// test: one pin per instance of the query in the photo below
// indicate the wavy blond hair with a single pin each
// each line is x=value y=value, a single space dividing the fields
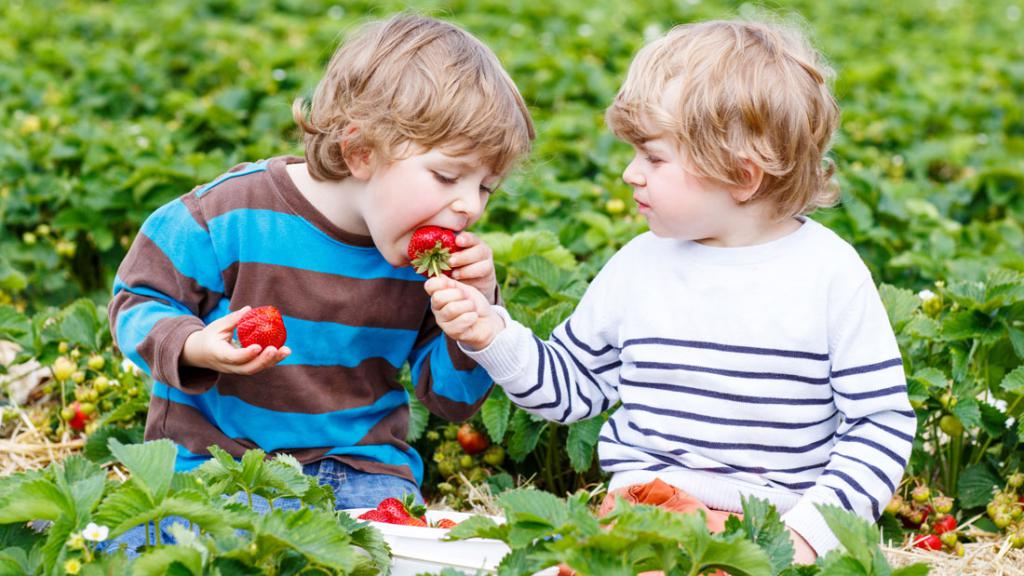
x=413 y=79
x=726 y=91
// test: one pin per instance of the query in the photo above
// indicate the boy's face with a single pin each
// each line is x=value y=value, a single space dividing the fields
x=424 y=188
x=676 y=202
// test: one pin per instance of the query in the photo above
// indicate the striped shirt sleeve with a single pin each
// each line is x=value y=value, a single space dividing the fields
x=570 y=377
x=446 y=380
x=875 y=437
x=168 y=282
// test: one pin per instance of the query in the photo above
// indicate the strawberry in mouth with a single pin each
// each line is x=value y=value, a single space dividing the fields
x=430 y=249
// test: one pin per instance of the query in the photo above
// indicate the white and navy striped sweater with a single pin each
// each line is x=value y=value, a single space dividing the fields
x=767 y=370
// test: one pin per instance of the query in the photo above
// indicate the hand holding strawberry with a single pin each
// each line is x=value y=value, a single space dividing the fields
x=463 y=313
x=434 y=251
x=211 y=348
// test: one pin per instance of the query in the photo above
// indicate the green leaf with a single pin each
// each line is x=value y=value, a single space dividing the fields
x=918 y=569
x=96 y=448
x=976 y=485
x=158 y=561
x=495 y=413
x=931 y=378
x=581 y=442
x=478 y=527
x=968 y=411
x=369 y=539
x=1014 y=381
x=526 y=432
x=35 y=499
x=530 y=505
x=13 y=324
x=313 y=533
x=151 y=464
x=419 y=416
x=78 y=324
x=859 y=537
x=900 y=304
x=762 y=525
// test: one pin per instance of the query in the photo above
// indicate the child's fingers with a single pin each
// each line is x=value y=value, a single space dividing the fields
x=229 y=321
x=482 y=269
x=471 y=255
x=265 y=359
x=449 y=312
x=463 y=323
x=466 y=239
x=444 y=297
x=436 y=283
x=238 y=356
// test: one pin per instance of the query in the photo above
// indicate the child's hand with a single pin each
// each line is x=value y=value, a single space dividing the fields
x=211 y=348
x=463 y=312
x=802 y=551
x=474 y=265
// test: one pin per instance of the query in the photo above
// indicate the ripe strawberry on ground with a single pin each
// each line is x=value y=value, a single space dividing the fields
x=430 y=248
x=78 y=414
x=928 y=542
x=472 y=440
x=262 y=326
x=944 y=524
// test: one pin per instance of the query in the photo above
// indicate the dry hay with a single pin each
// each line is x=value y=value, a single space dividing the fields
x=986 y=554
x=28 y=448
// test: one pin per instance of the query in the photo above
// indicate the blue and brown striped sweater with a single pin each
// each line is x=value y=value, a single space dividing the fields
x=353 y=320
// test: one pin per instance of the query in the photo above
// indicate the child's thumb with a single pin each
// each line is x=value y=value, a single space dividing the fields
x=229 y=321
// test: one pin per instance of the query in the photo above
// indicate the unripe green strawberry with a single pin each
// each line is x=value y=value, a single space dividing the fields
x=262 y=326
x=430 y=248
x=1016 y=480
x=62 y=368
x=96 y=362
x=921 y=494
x=894 y=505
x=495 y=455
x=943 y=504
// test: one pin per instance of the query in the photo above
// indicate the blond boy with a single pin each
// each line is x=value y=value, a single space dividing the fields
x=742 y=346
x=414 y=123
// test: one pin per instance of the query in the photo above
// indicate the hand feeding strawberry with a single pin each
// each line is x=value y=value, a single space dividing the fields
x=430 y=249
x=263 y=326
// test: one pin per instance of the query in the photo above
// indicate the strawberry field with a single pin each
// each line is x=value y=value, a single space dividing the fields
x=110 y=109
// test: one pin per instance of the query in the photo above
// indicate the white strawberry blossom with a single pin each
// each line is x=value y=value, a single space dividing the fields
x=926 y=295
x=95 y=533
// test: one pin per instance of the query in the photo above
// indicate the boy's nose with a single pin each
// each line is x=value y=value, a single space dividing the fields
x=468 y=202
x=632 y=176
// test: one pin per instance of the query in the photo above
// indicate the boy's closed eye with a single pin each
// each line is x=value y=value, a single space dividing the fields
x=451 y=180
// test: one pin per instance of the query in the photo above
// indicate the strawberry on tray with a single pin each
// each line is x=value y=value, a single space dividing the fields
x=403 y=512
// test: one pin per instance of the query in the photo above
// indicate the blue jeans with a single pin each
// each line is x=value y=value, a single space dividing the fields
x=352 y=489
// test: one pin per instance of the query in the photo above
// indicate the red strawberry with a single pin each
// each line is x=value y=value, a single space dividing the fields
x=944 y=524
x=394 y=508
x=472 y=440
x=375 y=516
x=446 y=523
x=262 y=326
x=411 y=521
x=430 y=248
x=929 y=542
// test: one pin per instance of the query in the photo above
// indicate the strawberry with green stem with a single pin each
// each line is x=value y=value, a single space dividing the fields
x=430 y=250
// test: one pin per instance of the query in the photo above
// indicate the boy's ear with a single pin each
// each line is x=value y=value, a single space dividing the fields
x=753 y=176
x=357 y=156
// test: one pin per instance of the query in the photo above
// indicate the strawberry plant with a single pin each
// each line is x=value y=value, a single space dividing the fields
x=81 y=508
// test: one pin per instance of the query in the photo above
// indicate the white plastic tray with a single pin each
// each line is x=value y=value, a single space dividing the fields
x=416 y=549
